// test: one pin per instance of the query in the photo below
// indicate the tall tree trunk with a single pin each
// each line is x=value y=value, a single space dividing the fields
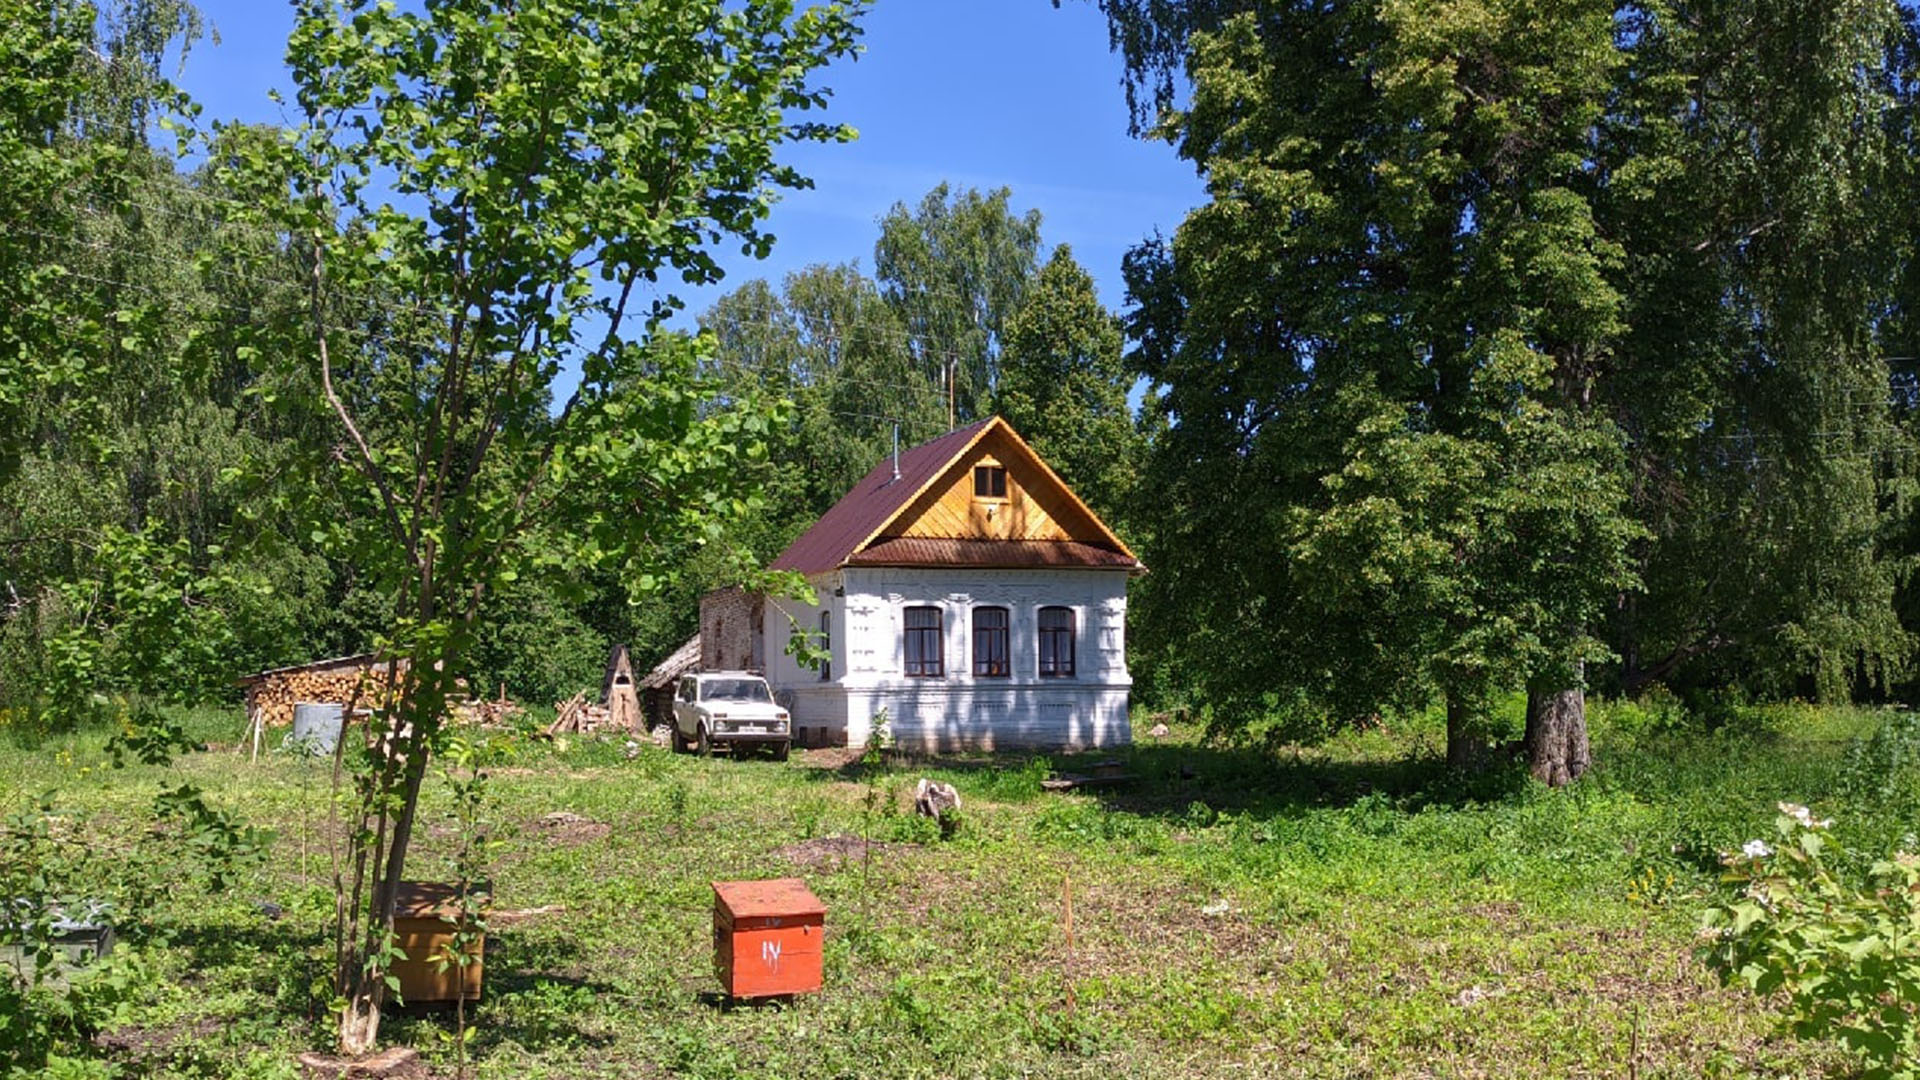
x=1463 y=734
x=1556 y=740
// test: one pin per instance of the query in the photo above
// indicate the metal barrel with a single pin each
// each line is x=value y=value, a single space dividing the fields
x=316 y=726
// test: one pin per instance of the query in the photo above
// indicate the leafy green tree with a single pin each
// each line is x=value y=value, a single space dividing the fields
x=829 y=343
x=1498 y=310
x=1762 y=152
x=1378 y=360
x=498 y=185
x=1063 y=385
x=120 y=411
x=955 y=268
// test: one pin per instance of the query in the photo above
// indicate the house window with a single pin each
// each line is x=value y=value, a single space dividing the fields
x=826 y=645
x=990 y=652
x=1056 y=643
x=926 y=653
x=989 y=482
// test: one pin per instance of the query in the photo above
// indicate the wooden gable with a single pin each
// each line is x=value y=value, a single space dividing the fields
x=1037 y=504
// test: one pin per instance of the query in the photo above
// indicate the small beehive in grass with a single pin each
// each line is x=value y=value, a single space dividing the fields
x=426 y=916
x=767 y=937
x=72 y=942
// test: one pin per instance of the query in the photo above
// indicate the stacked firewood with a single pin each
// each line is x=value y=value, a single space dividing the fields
x=486 y=713
x=576 y=716
x=270 y=699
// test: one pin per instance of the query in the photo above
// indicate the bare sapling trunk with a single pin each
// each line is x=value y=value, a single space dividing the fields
x=403 y=747
x=1556 y=739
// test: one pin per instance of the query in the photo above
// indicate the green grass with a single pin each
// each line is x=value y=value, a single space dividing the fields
x=1350 y=910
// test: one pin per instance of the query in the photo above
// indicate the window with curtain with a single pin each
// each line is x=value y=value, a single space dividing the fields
x=1056 y=643
x=925 y=651
x=991 y=656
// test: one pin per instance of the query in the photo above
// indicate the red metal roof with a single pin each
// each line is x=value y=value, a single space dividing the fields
x=872 y=503
x=930 y=551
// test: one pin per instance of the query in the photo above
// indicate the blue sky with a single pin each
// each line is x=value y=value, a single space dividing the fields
x=981 y=93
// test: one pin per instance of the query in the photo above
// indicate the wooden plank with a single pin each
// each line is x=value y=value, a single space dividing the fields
x=1070 y=781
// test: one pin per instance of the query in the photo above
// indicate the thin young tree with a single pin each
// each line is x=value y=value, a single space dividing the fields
x=497 y=190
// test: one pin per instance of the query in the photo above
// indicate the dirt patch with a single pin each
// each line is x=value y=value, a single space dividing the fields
x=830 y=758
x=567 y=828
x=399 y=1063
x=833 y=852
x=154 y=1044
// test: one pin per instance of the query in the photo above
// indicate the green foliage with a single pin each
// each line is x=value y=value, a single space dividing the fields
x=828 y=342
x=547 y=162
x=956 y=268
x=1355 y=879
x=1491 y=358
x=1380 y=477
x=1063 y=386
x=51 y=1005
x=1845 y=956
x=536 y=643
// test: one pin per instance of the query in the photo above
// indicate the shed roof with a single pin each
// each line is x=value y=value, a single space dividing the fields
x=358 y=660
x=678 y=663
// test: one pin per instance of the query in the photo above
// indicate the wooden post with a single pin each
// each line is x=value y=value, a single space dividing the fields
x=1073 y=1004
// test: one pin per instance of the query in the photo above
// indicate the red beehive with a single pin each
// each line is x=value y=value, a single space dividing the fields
x=766 y=937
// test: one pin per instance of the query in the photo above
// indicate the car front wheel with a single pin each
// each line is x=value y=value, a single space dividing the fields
x=781 y=749
x=704 y=745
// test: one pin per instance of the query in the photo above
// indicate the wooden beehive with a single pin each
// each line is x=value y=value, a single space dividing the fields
x=426 y=915
x=767 y=937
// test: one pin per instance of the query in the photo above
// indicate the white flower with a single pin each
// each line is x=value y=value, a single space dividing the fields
x=1756 y=849
x=1805 y=816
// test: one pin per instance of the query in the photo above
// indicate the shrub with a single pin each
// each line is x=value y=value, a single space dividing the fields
x=1845 y=958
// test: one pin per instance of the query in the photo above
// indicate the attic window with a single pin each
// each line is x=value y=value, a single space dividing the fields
x=989 y=482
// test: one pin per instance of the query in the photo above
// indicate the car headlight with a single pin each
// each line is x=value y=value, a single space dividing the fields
x=781 y=716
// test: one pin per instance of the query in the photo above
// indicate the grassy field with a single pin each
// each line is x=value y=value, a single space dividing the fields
x=1344 y=911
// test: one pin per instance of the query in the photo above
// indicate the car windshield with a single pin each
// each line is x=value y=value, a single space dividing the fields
x=735 y=690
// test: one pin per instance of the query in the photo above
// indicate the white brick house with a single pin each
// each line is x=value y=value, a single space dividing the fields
x=971 y=596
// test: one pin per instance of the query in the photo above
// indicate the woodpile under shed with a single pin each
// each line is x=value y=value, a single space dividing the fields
x=656 y=690
x=352 y=681
x=578 y=716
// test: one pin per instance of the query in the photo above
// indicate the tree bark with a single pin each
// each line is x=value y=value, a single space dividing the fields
x=1556 y=740
x=360 y=1018
x=1463 y=735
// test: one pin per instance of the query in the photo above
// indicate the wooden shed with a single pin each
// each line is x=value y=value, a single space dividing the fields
x=343 y=680
x=656 y=690
x=618 y=693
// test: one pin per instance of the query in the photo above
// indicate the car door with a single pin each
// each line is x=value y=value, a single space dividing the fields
x=683 y=717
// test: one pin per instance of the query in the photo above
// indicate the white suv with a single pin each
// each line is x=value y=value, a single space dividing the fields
x=734 y=709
